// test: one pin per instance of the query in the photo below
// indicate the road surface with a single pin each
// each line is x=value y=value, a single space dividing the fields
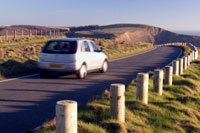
x=28 y=102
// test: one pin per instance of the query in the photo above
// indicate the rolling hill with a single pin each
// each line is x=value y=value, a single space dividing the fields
x=134 y=33
x=119 y=32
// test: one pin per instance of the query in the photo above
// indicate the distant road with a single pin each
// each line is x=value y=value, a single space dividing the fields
x=27 y=103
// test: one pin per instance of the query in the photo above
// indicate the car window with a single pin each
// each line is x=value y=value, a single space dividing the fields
x=60 y=47
x=85 y=47
x=94 y=46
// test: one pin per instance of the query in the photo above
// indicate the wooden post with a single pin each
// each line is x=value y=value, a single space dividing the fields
x=36 y=33
x=50 y=33
x=15 y=34
x=117 y=102
x=22 y=33
x=168 y=75
x=176 y=67
x=158 y=81
x=6 y=35
x=30 y=33
x=180 y=66
x=54 y=32
x=66 y=116
x=142 y=87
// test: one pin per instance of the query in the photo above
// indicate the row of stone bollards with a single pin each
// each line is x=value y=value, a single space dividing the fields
x=177 y=68
x=66 y=110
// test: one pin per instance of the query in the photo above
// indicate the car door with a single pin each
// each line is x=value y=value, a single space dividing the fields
x=87 y=55
x=97 y=58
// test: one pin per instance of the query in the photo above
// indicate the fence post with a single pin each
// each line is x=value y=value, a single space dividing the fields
x=66 y=116
x=117 y=102
x=142 y=87
x=36 y=33
x=22 y=33
x=158 y=81
x=181 y=66
x=15 y=34
x=185 y=62
x=54 y=32
x=176 y=67
x=30 y=33
x=50 y=33
x=6 y=35
x=168 y=75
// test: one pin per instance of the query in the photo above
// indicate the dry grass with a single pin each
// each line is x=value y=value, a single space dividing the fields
x=19 y=57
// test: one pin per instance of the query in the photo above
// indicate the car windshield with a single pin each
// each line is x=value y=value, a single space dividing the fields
x=60 y=47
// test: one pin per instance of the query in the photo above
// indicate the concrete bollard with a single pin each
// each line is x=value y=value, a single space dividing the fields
x=193 y=55
x=142 y=87
x=158 y=81
x=185 y=62
x=188 y=59
x=168 y=75
x=176 y=67
x=180 y=66
x=66 y=116
x=117 y=102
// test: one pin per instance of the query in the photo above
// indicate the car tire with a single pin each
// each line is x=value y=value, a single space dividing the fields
x=44 y=73
x=82 y=72
x=104 y=67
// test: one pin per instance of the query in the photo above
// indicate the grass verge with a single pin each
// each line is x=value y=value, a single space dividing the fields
x=176 y=111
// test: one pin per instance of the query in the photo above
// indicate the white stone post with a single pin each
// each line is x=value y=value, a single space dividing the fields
x=181 y=66
x=168 y=75
x=188 y=59
x=185 y=62
x=176 y=67
x=142 y=87
x=117 y=102
x=158 y=81
x=66 y=116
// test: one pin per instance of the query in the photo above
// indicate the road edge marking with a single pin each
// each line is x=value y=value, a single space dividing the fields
x=37 y=74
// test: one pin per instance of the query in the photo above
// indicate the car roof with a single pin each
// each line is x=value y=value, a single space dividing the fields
x=68 y=39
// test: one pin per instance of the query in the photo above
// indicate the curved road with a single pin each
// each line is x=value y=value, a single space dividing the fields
x=27 y=103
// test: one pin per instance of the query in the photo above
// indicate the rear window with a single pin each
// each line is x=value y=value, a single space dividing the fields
x=60 y=47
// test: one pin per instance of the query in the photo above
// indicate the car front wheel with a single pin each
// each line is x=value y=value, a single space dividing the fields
x=82 y=72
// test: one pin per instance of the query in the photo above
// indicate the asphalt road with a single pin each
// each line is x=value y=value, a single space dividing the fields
x=27 y=103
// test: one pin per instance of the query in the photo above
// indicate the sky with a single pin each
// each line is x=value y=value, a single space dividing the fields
x=167 y=14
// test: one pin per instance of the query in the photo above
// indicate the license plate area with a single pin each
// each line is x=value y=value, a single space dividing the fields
x=56 y=66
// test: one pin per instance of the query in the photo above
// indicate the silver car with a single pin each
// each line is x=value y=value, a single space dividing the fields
x=78 y=56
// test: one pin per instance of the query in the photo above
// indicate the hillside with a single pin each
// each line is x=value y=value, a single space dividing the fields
x=27 y=28
x=132 y=33
x=119 y=32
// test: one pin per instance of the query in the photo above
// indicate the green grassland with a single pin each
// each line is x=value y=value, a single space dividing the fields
x=176 y=111
x=19 y=56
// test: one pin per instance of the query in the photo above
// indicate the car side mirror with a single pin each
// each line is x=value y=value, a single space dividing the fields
x=101 y=50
